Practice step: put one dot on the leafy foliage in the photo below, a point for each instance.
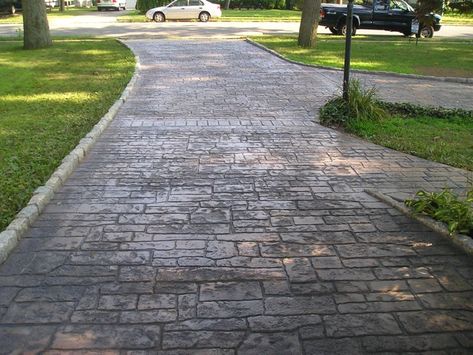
(145, 5)
(425, 7)
(361, 105)
(255, 4)
(463, 7)
(447, 207)
(411, 110)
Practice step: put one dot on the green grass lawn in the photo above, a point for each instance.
(53, 14)
(261, 15)
(444, 140)
(454, 18)
(49, 99)
(235, 16)
(439, 57)
(132, 16)
(283, 16)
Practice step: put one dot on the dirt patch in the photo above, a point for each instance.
(455, 72)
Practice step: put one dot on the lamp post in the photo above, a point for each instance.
(346, 68)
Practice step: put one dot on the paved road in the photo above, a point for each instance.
(104, 24)
(214, 216)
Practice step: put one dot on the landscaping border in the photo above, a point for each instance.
(10, 237)
(464, 242)
(384, 73)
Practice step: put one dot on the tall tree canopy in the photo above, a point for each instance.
(35, 25)
(309, 23)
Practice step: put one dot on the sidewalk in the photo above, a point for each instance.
(214, 216)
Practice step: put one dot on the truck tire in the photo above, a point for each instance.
(333, 30)
(426, 31)
(342, 30)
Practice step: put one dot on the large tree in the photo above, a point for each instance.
(309, 23)
(35, 25)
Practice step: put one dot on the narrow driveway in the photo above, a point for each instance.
(215, 217)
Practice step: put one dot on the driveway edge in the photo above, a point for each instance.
(380, 73)
(10, 237)
(463, 242)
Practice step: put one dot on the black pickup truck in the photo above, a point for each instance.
(390, 15)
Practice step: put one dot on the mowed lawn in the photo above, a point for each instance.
(50, 99)
(261, 15)
(444, 140)
(52, 14)
(434, 56)
(258, 15)
(234, 16)
(454, 18)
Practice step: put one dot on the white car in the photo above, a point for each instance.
(185, 9)
(111, 4)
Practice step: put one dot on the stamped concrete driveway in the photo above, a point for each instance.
(215, 217)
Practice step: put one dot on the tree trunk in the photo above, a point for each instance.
(309, 23)
(62, 7)
(227, 4)
(35, 25)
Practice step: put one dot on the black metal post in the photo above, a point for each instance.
(346, 68)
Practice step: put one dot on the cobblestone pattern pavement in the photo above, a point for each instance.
(215, 217)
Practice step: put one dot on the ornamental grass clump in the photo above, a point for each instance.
(447, 207)
(361, 105)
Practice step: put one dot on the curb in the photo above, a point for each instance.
(463, 242)
(10, 237)
(360, 71)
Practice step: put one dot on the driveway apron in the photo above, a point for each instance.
(214, 216)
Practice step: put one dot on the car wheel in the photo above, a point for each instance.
(159, 17)
(333, 30)
(426, 31)
(343, 30)
(204, 16)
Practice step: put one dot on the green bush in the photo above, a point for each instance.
(361, 105)
(256, 4)
(280, 4)
(447, 207)
(463, 7)
(269, 4)
(298, 4)
(145, 5)
(411, 110)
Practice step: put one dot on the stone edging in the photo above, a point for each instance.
(381, 73)
(464, 242)
(10, 237)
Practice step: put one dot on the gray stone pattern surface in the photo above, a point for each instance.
(214, 216)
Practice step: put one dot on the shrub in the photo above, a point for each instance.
(411, 110)
(145, 5)
(463, 7)
(447, 207)
(362, 105)
(255, 4)
(280, 4)
(298, 4)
